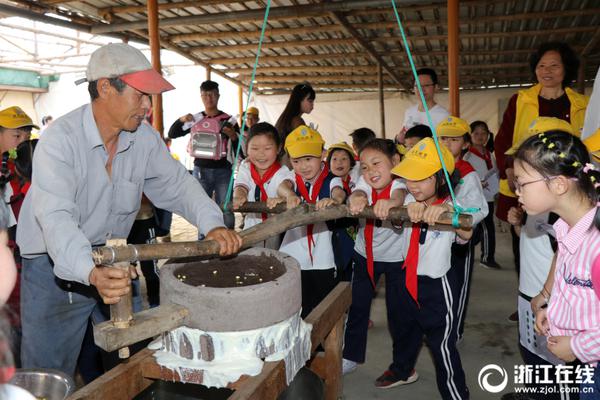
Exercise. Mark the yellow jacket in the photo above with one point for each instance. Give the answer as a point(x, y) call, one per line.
point(528, 110)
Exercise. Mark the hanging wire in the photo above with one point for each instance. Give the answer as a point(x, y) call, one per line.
point(250, 89)
point(457, 209)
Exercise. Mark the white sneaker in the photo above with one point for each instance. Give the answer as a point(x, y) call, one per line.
point(348, 366)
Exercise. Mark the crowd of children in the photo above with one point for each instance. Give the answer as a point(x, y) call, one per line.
point(426, 266)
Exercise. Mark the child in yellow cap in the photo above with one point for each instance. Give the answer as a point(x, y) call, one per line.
point(454, 133)
point(427, 301)
point(15, 127)
point(310, 182)
point(341, 160)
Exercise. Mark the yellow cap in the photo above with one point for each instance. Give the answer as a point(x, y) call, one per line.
point(422, 161)
point(452, 127)
point(401, 149)
point(341, 146)
point(14, 118)
point(593, 144)
point(304, 141)
point(541, 125)
point(252, 110)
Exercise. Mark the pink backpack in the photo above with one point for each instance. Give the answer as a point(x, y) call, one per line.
point(206, 140)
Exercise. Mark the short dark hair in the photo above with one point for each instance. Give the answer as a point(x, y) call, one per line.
point(567, 56)
point(385, 146)
point(117, 83)
point(24, 160)
point(419, 131)
point(361, 136)
point(266, 129)
point(208, 86)
point(430, 72)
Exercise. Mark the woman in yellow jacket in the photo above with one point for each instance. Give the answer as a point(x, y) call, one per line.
point(555, 66)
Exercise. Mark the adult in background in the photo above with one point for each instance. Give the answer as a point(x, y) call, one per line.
point(90, 170)
point(301, 101)
point(416, 115)
point(213, 174)
point(554, 66)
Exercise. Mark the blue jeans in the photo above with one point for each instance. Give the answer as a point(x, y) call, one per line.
point(591, 391)
point(215, 180)
point(54, 315)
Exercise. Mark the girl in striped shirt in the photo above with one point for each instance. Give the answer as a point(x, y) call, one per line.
point(553, 173)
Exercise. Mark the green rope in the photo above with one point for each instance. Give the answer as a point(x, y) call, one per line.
point(250, 88)
point(457, 209)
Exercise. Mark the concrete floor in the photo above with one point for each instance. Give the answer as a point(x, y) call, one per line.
point(489, 336)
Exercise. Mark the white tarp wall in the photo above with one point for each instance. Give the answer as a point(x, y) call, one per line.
point(338, 114)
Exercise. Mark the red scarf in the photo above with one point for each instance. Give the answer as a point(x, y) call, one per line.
point(370, 227)
point(485, 156)
point(412, 257)
point(463, 167)
point(316, 188)
point(260, 182)
point(346, 183)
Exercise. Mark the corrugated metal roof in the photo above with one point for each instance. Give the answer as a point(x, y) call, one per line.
point(336, 45)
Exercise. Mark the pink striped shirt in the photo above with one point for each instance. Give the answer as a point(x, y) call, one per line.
point(574, 309)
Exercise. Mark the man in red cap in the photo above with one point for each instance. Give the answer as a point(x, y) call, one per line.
point(91, 167)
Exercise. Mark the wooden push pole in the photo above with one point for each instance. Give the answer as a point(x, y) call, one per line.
point(208, 72)
point(157, 109)
point(381, 99)
point(581, 76)
point(121, 313)
point(241, 103)
point(453, 45)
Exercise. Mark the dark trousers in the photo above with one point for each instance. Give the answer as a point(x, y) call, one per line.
point(462, 267)
point(435, 318)
point(143, 232)
point(355, 338)
point(553, 391)
point(316, 285)
point(486, 234)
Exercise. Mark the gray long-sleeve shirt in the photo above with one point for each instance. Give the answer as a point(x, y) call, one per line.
point(73, 203)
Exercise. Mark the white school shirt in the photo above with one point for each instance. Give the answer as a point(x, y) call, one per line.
point(435, 253)
point(355, 173)
point(387, 241)
point(485, 175)
point(536, 254)
point(469, 194)
point(295, 241)
point(244, 179)
point(413, 117)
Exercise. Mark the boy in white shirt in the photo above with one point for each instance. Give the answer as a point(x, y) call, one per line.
point(311, 182)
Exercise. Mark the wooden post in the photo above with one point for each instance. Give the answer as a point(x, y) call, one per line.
point(453, 44)
point(581, 76)
point(208, 72)
point(157, 109)
point(381, 99)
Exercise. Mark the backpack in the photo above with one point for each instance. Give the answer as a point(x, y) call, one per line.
point(206, 140)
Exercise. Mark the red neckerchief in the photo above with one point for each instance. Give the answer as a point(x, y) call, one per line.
point(411, 263)
point(260, 182)
point(463, 167)
point(369, 228)
point(346, 183)
point(316, 188)
point(485, 156)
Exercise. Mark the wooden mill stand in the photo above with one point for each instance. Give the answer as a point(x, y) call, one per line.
point(129, 379)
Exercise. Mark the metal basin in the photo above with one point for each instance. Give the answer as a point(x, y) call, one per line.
point(47, 384)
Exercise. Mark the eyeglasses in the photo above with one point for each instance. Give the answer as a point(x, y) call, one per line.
point(519, 186)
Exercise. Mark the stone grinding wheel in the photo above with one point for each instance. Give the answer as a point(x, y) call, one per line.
point(235, 308)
